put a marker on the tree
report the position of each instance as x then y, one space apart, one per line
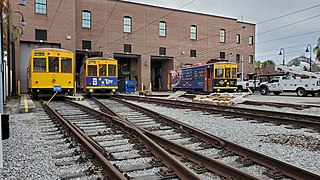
317 49
268 67
258 67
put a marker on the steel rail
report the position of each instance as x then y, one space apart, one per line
285 168
108 169
213 165
181 170
262 115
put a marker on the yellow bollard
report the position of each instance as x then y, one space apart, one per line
75 88
150 87
18 88
142 87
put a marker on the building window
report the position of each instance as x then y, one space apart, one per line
222 55
41 34
238 38
250 40
127 48
250 59
86 44
86 19
40 6
162 29
193 53
193 32
237 58
222 35
162 51
127 24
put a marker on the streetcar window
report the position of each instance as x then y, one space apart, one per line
111 70
219 72
102 69
66 65
39 64
228 73
92 70
234 73
53 64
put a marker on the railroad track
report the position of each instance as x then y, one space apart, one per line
293 119
120 150
162 130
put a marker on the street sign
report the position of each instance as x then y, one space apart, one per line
57 89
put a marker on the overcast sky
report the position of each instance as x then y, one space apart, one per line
268 44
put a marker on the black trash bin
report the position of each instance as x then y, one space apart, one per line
5 126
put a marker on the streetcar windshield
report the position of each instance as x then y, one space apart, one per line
53 64
112 70
92 70
39 64
102 70
219 73
66 65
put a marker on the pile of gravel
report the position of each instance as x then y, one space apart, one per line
255 136
24 153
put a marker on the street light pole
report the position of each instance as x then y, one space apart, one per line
307 50
282 53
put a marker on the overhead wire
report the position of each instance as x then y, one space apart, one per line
55 14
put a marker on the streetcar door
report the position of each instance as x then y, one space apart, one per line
206 80
209 75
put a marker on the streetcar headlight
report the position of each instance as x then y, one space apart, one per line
91 90
113 90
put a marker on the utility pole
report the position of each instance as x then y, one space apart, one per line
1 84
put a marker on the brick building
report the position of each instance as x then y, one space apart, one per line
146 40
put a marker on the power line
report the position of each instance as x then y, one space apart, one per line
55 14
285 15
105 24
153 21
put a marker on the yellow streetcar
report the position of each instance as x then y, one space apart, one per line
50 70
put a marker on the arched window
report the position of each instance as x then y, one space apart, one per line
222 35
86 19
127 24
193 32
162 28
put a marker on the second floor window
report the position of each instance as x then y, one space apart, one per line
237 58
86 19
238 38
222 35
193 32
162 28
127 24
222 55
250 40
193 53
250 59
40 6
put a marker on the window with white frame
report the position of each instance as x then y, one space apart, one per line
86 19
222 35
193 32
162 28
40 6
250 40
127 24
238 38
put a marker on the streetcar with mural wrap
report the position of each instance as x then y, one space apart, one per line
213 76
99 76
